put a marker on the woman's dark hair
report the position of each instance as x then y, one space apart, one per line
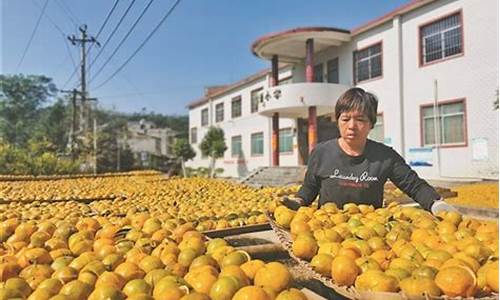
357 99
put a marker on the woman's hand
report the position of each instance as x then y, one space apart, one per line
440 205
292 202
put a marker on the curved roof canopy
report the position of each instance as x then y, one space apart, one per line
290 45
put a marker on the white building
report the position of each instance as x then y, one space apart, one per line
147 141
426 56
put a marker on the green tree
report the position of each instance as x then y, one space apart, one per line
184 152
21 98
53 126
213 145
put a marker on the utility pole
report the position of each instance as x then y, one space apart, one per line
73 130
85 110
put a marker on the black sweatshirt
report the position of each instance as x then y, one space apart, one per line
341 178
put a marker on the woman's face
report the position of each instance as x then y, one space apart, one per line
354 126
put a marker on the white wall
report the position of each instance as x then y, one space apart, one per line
244 125
473 76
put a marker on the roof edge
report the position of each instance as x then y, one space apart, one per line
405 8
229 87
294 30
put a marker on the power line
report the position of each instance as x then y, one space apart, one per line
105 22
122 41
112 33
142 44
32 35
71 16
46 15
49 18
100 30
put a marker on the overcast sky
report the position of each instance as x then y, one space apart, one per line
201 43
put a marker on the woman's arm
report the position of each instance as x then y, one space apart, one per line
407 180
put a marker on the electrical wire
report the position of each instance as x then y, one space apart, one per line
71 16
112 33
169 12
100 30
58 28
104 23
122 41
32 35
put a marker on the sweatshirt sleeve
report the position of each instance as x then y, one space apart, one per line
409 182
311 186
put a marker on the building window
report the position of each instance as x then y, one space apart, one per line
219 112
236 107
450 122
194 135
236 146
441 39
286 140
318 73
368 63
257 141
377 133
332 69
204 117
254 100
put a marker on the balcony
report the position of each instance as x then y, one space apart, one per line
292 100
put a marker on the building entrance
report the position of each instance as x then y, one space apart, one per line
327 130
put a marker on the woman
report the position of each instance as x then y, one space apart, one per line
354 169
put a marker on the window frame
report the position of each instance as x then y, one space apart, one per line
280 143
257 98
320 74
435 20
232 145
328 62
439 104
252 153
203 111
195 135
220 104
233 101
354 63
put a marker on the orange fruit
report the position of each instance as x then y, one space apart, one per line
457 281
344 270
251 293
322 263
492 277
251 267
418 286
304 246
291 294
273 275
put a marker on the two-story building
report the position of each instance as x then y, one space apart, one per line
433 64
151 146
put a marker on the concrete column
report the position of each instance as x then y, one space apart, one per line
274 71
309 60
312 128
275 140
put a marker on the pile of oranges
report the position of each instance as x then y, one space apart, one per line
396 249
211 204
146 243
140 257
